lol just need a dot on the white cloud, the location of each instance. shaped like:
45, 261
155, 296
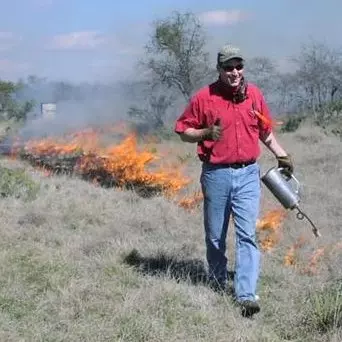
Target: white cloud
77, 40
223, 17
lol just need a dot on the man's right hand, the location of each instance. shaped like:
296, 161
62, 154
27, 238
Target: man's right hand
214, 132
285, 162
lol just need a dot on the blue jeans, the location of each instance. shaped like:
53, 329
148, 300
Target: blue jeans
235, 192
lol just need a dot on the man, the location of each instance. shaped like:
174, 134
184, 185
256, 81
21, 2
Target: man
227, 119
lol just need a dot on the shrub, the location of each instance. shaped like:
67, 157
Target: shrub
16, 183
292, 124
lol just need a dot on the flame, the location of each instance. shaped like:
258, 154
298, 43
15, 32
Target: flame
311, 269
191, 202
316, 256
269, 228
267, 122
124, 163
50, 147
127, 165
290, 258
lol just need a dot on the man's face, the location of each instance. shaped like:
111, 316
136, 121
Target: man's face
231, 72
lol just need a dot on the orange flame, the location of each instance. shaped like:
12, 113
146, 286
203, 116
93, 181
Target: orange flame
267, 122
290, 258
124, 162
311, 269
191, 202
269, 228
127, 165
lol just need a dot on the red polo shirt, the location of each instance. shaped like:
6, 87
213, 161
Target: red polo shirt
241, 127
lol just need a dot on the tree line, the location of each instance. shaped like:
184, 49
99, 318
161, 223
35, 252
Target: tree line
179, 64
176, 63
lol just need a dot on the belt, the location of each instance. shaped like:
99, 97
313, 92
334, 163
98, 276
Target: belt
235, 165
241, 165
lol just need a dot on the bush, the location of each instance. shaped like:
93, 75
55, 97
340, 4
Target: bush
292, 124
16, 183
330, 113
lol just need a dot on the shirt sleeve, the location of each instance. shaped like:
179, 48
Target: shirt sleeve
190, 118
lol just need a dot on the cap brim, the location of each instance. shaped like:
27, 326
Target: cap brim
230, 58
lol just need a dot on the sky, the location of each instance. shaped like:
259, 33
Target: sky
103, 40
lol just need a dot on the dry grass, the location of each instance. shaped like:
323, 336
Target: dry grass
82, 263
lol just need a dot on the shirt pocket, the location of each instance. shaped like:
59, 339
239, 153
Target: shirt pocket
250, 118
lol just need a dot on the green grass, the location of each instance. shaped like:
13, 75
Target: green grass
324, 308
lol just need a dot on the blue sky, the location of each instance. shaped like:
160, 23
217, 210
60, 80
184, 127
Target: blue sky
83, 40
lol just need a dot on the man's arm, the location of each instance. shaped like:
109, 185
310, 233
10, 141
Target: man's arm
272, 144
189, 126
193, 135
284, 159
267, 137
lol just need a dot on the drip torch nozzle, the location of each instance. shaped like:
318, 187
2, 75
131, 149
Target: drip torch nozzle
301, 215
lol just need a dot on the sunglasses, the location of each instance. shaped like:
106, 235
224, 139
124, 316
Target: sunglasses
230, 68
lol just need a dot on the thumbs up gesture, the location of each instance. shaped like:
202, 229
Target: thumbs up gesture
215, 130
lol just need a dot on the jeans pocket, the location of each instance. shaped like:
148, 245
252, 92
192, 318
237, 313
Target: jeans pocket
254, 170
207, 171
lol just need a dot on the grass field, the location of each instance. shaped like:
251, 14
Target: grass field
79, 262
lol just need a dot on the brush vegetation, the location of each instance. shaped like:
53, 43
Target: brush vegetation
83, 263
17, 183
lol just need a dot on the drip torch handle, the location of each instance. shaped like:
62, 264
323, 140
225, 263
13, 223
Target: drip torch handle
292, 177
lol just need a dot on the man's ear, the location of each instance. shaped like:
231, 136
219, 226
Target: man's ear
218, 68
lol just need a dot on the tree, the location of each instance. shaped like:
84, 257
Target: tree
176, 56
153, 112
10, 108
63, 91
262, 71
290, 98
319, 74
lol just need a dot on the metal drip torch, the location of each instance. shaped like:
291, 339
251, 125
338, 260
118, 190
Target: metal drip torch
279, 184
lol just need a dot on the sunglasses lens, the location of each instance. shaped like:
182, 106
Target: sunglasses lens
230, 68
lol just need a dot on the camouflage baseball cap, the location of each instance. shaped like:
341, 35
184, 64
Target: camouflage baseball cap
228, 52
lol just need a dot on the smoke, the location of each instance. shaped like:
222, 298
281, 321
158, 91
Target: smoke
77, 107
94, 105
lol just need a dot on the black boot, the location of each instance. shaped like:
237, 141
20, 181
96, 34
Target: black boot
249, 308
216, 286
